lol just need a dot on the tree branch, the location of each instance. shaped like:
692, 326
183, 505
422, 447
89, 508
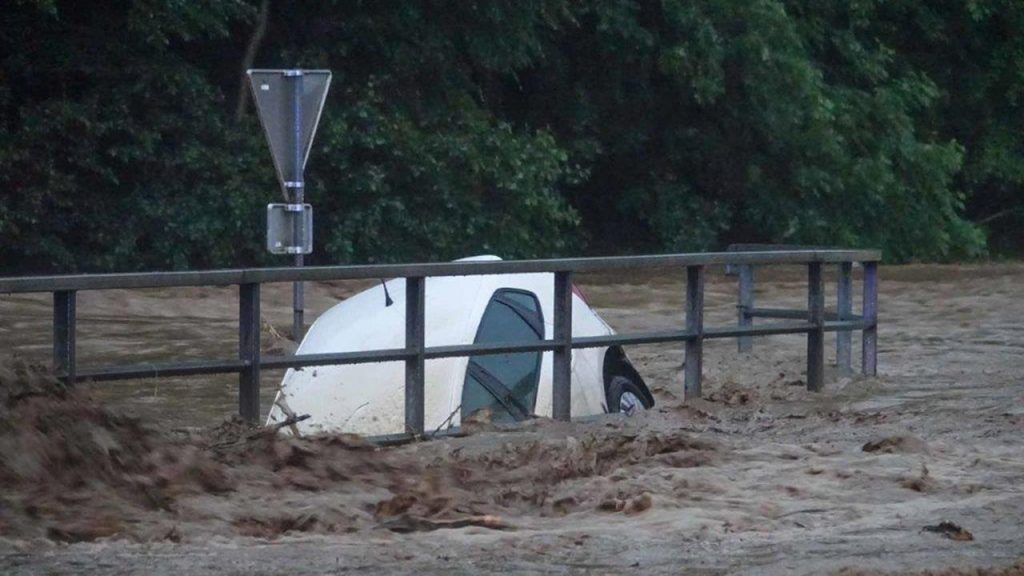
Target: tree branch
997, 215
251, 49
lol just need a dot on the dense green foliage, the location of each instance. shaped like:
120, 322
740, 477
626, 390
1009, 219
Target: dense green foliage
527, 128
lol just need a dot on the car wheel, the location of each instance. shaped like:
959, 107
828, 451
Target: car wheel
625, 396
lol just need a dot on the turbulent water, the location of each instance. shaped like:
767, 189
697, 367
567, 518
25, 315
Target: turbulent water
759, 477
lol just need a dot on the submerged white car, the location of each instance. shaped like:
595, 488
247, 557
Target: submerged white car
369, 399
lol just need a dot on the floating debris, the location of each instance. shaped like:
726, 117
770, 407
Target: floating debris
951, 531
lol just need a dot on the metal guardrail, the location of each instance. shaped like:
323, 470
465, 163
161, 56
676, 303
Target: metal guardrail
814, 321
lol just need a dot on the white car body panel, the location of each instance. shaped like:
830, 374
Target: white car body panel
369, 399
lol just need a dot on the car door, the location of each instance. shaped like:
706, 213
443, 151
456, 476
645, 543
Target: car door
505, 384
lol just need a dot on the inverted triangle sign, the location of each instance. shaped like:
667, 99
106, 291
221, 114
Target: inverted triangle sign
282, 96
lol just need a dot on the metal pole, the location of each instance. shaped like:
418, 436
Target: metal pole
745, 303
694, 323
249, 350
844, 308
561, 393
816, 337
869, 350
297, 184
415, 322
64, 312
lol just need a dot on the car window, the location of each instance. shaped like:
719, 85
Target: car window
525, 305
506, 384
524, 299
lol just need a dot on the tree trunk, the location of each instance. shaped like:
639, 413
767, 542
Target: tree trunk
250, 55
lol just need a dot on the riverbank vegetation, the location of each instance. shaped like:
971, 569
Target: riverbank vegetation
526, 129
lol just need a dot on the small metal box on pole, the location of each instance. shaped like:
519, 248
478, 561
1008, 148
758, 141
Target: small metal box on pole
289, 228
289, 103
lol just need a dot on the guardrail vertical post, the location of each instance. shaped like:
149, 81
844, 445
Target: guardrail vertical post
64, 317
694, 323
869, 350
561, 392
744, 304
415, 330
249, 350
816, 337
844, 308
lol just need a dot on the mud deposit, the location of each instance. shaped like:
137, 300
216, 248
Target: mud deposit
918, 471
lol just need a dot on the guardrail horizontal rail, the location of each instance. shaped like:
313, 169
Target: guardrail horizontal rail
162, 369
792, 314
199, 367
472, 268
337, 358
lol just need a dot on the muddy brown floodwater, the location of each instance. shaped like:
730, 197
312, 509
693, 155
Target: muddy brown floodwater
919, 469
